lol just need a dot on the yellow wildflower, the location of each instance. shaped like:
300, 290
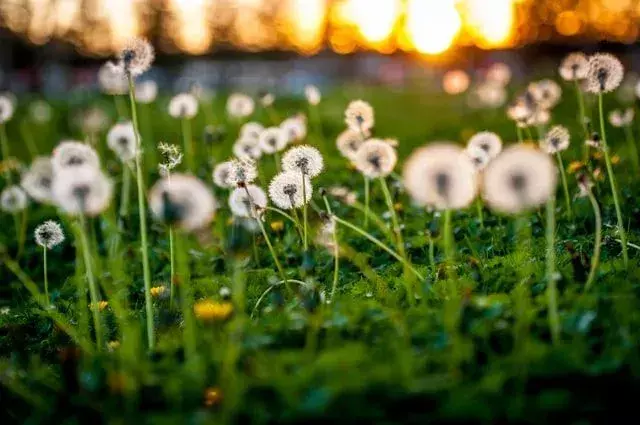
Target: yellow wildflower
208, 310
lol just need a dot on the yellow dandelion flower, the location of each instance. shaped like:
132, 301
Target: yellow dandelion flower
597, 155
615, 159
101, 305
212, 396
158, 291
277, 226
398, 206
113, 345
575, 166
208, 310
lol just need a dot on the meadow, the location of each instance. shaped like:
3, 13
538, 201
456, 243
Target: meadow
357, 285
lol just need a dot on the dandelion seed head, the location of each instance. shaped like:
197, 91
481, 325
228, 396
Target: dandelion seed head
248, 202
375, 158
81, 190
183, 105
546, 93
359, 116
556, 140
240, 105
13, 199
247, 148
621, 118
182, 200
267, 99
121, 139
251, 130
441, 176
539, 117
112, 79
490, 95
295, 128
349, 141
93, 120
242, 172
74, 154
605, 73
136, 57
221, 173
7, 109
286, 190
343, 194
575, 66
146, 91
313, 95
171, 158
40, 111
49, 234
455, 82
489, 142
305, 159
520, 178
478, 156
499, 73
273, 139
37, 180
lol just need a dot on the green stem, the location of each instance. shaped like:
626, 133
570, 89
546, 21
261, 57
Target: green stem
565, 187
449, 249
143, 223
27, 135
583, 125
366, 202
46, 279
93, 290
272, 251
276, 159
288, 217
126, 190
336, 251
595, 259
4, 145
633, 150
480, 212
188, 144
552, 290
172, 272
304, 212
519, 132
612, 181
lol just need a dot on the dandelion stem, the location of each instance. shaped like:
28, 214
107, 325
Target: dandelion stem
46, 279
480, 212
519, 133
595, 259
126, 189
366, 202
188, 144
272, 251
143, 222
93, 290
304, 212
287, 216
172, 260
565, 187
583, 124
612, 181
276, 159
449, 250
4, 145
633, 150
336, 251
380, 244
552, 290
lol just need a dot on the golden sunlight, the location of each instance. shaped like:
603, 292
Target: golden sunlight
375, 20
490, 22
432, 25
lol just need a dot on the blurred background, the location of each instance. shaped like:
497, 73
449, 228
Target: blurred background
256, 41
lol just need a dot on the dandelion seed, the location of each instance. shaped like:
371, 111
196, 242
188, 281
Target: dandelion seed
171, 158
375, 158
520, 178
349, 141
240, 105
121, 139
37, 180
242, 172
49, 234
619, 118
605, 73
13, 199
326, 234
248, 202
74, 154
305, 159
359, 116
272, 140
247, 148
442, 176
546, 93
313, 95
489, 142
7, 109
221, 173
251, 130
182, 200
81, 190
112, 79
184, 106
574, 67
478, 156
295, 128
584, 186
136, 57
146, 91
556, 140
499, 73
286, 190
594, 141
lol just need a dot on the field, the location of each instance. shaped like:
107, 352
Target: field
498, 328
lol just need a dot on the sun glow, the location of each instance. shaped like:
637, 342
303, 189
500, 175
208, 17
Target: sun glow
375, 20
490, 22
432, 25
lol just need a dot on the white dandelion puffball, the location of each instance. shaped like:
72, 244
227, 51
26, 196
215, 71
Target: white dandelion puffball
247, 148
491, 95
286, 190
489, 142
247, 201
94, 120
221, 173
556, 140
273, 140
455, 82
183, 105
136, 57
242, 172
81, 190
519, 179
521, 109
240, 105
478, 156
499, 73
295, 128
121, 139
171, 158
305, 159
40, 111
539, 117
49, 234
267, 99
6, 109
605, 73
359, 116
546, 93
37, 180
146, 91
251, 130
112, 79
182, 200
13, 199
313, 95
375, 158
619, 118
441, 176
74, 154
349, 141
575, 66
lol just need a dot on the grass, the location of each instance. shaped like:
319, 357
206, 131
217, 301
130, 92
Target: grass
474, 345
